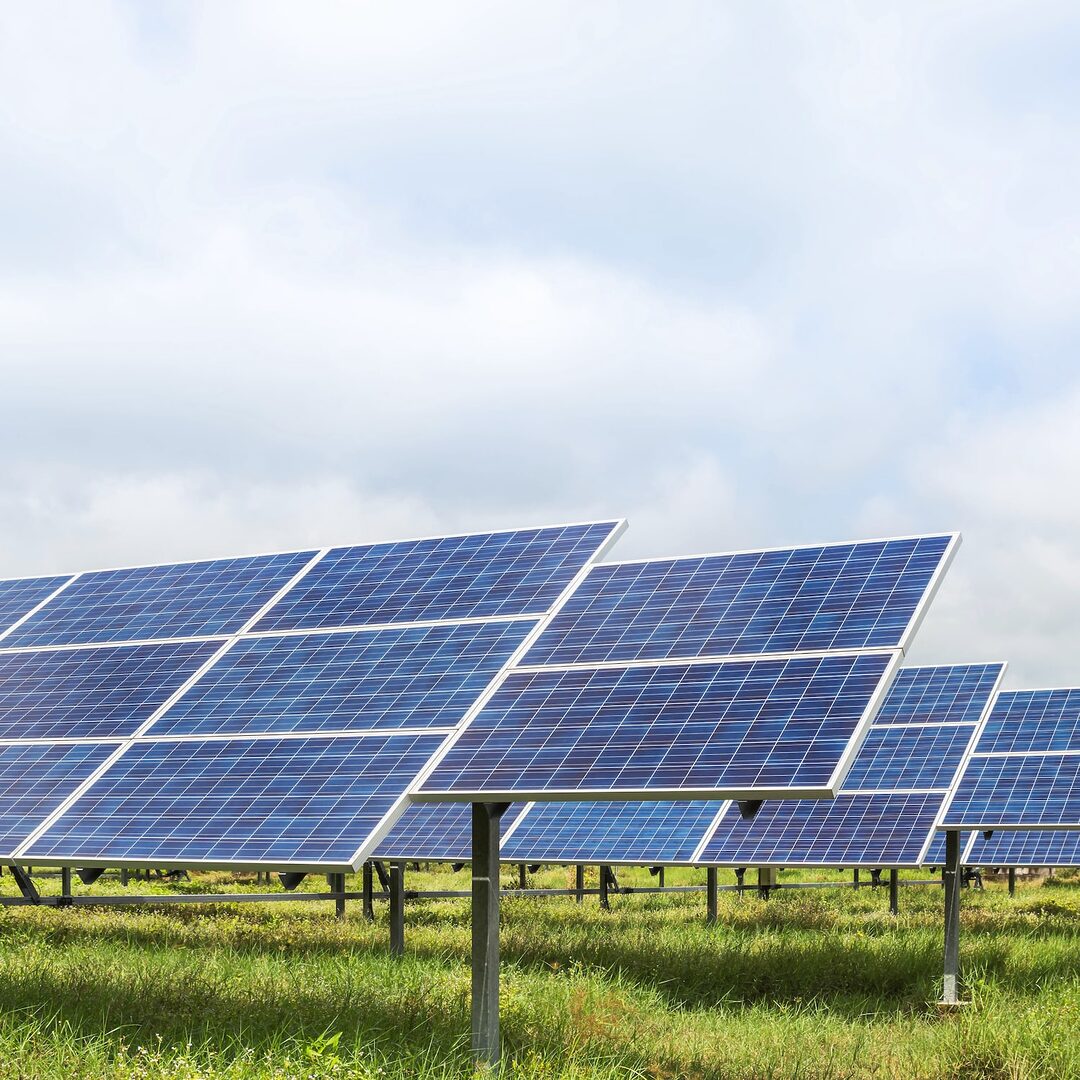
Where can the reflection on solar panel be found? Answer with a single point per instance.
(19, 596)
(456, 577)
(299, 801)
(893, 795)
(35, 779)
(1025, 847)
(412, 677)
(840, 596)
(438, 831)
(654, 833)
(145, 602)
(1025, 771)
(92, 693)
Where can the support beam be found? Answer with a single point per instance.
(337, 885)
(710, 896)
(369, 898)
(740, 878)
(522, 875)
(855, 877)
(485, 933)
(894, 892)
(951, 874)
(605, 882)
(579, 883)
(26, 884)
(1012, 880)
(384, 877)
(65, 884)
(766, 881)
(397, 908)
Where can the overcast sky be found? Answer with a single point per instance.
(276, 274)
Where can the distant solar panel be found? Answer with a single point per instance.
(481, 576)
(896, 758)
(1032, 721)
(952, 693)
(838, 596)
(92, 693)
(409, 677)
(441, 832)
(19, 596)
(35, 778)
(1025, 847)
(235, 802)
(147, 602)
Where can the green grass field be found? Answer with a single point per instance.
(812, 984)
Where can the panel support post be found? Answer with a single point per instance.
(485, 933)
(337, 885)
(522, 880)
(579, 883)
(951, 874)
(397, 908)
(710, 896)
(1012, 880)
(605, 873)
(855, 877)
(65, 882)
(894, 892)
(369, 900)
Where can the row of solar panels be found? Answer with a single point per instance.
(285, 710)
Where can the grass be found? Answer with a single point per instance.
(810, 985)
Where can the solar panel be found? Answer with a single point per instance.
(478, 576)
(1029, 721)
(896, 758)
(838, 596)
(148, 602)
(1025, 847)
(288, 801)
(441, 832)
(19, 596)
(92, 693)
(412, 677)
(35, 778)
(760, 726)
(952, 693)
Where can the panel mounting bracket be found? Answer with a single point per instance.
(748, 808)
(26, 884)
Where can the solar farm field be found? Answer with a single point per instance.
(810, 984)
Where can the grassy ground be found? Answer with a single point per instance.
(809, 985)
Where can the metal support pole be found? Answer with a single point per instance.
(123, 877)
(337, 885)
(369, 902)
(951, 874)
(397, 908)
(1012, 880)
(894, 892)
(855, 878)
(605, 903)
(579, 883)
(740, 878)
(710, 895)
(65, 881)
(485, 932)
(660, 878)
(521, 876)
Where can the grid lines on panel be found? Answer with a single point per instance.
(1016, 790)
(21, 595)
(441, 832)
(445, 578)
(1025, 847)
(841, 596)
(1033, 720)
(409, 677)
(147, 602)
(935, 695)
(909, 758)
(92, 693)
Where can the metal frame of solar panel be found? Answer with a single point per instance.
(785, 652)
(279, 683)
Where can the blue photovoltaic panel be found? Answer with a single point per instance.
(234, 801)
(705, 727)
(1032, 720)
(35, 779)
(1024, 847)
(937, 695)
(144, 602)
(840, 596)
(92, 693)
(21, 595)
(611, 832)
(452, 577)
(868, 830)
(935, 853)
(1042, 790)
(409, 677)
(909, 758)
(438, 831)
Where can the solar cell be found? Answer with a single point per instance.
(35, 778)
(483, 575)
(654, 833)
(906, 758)
(714, 729)
(409, 677)
(1025, 847)
(952, 693)
(837, 596)
(1033, 720)
(1014, 791)
(18, 596)
(293, 802)
(438, 831)
(146, 602)
(92, 693)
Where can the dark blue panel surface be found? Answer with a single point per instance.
(281, 801)
(938, 695)
(143, 602)
(611, 832)
(1033, 720)
(21, 595)
(712, 727)
(935, 854)
(865, 830)
(360, 680)
(92, 693)
(1024, 847)
(909, 758)
(1034, 791)
(452, 577)
(35, 779)
(841, 596)
(438, 831)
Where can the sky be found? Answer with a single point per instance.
(278, 274)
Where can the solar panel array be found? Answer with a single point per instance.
(259, 711)
(1025, 770)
